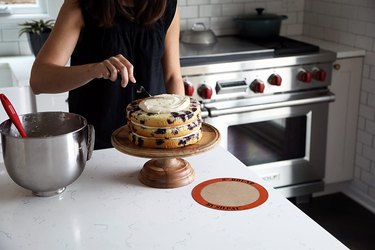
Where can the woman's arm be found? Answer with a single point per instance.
(171, 58)
(50, 74)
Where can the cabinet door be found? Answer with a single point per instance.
(342, 120)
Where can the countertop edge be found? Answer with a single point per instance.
(342, 51)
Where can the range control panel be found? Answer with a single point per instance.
(206, 87)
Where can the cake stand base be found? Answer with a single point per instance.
(166, 173)
(166, 169)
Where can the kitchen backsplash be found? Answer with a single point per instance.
(215, 14)
(218, 14)
(352, 22)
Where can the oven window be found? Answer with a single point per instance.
(268, 141)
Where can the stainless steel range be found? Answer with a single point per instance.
(270, 102)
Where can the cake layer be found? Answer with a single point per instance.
(165, 132)
(169, 119)
(149, 142)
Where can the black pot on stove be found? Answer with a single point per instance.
(259, 25)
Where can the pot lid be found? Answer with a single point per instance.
(262, 16)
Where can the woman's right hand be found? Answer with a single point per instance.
(114, 67)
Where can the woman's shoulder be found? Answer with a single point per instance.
(170, 12)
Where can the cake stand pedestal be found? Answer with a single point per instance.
(166, 169)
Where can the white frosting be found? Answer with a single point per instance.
(166, 103)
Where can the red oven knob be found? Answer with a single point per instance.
(305, 76)
(257, 86)
(320, 75)
(275, 79)
(189, 88)
(205, 91)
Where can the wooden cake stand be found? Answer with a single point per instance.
(165, 169)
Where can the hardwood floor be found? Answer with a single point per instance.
(344, 218)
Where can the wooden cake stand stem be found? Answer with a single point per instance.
(166, 173)
(165, 169)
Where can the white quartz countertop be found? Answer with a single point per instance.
(342, 51)
(108, 208)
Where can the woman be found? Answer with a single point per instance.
(110, 43)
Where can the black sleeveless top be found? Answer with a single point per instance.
(103, 102)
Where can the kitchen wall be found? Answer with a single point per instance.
(215, 14)
(10, 43)
(218, 14)
(352, 22)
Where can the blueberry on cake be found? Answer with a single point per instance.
(164, 121)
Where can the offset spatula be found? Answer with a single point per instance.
(140, 88)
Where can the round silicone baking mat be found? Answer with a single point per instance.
(229, 194)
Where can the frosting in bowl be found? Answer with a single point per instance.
(165, 103)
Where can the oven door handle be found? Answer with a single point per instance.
(329, 97)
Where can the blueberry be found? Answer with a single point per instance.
(159, 142)
(161, 131)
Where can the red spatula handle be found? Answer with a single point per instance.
(13, 116)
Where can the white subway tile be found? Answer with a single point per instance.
(366, 14)
(368, 85)
(364, 42)
(357, 27)
(189, 11)
(340, 23)
(292, 18)
(363, 163)
(197, 2)
(294, 29)
(361, 123)
(210, 10)
(233, 9)
(348, 12)
(370, 29)
(359, 184)
(220, 1)
(366, 177)
(370, 125)
(367, 113)
(9, 49)
(366, 71)
(331, 35)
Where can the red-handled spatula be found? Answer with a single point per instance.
(13, 116)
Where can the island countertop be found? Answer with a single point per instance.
(108, 208)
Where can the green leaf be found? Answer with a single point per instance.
(36, 27)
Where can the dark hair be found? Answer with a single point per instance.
(105, 12)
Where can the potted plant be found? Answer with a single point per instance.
(37, 31)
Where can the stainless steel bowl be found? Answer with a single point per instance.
(54, 154)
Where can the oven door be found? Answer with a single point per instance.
(283, 142)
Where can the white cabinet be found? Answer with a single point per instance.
(342, 120)
(52, 102)
(21, 98)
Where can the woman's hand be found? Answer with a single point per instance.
(114, 67)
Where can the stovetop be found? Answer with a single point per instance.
(233, 48)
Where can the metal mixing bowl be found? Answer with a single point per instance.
(52, 156)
